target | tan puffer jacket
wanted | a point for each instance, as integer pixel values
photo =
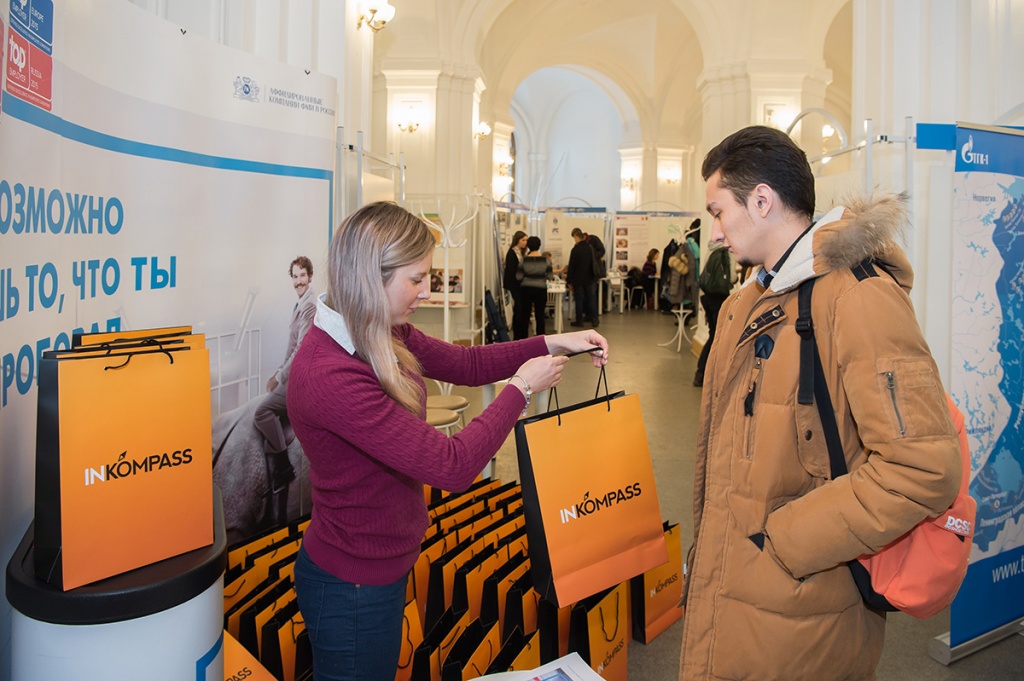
(790, 610)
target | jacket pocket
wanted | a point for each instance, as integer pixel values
(913, 399)
(753, 576)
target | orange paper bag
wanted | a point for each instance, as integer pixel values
(123, 460)
(592, 513)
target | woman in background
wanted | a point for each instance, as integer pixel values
(357, 402)
(534, 272)
(650, 272)
(510, 280)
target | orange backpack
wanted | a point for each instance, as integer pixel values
(921, 572)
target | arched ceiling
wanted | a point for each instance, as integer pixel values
(644, 51)
(652, 52)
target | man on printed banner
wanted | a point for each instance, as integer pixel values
(768, 593)
(273, 406)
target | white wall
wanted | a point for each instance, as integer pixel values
(573, 124)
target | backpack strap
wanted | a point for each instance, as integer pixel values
(813, 387)
(812, 381)
(804, 327)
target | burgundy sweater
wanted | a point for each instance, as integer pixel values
(369, 457)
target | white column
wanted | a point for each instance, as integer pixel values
(672, 166)
(500, 167)
(411, 103)
(632, 175)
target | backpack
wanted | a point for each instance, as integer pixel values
(715, 277)
(600, 271)
(920, 572)
(496, 330)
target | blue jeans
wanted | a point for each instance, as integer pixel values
(355, 630)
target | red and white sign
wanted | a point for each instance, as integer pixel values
(29, 71)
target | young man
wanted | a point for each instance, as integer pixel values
(769, 594)
(273, 406)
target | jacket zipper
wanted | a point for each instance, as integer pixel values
(748, 408)
(890, 383)
(748, 403)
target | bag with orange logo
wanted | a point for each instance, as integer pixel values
(655, 594)
(123, 459)
(518, 653)
(599, 632)
(592, 513)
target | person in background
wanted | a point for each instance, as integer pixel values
(274, 406)
(581, 276)
(557, 271)
(535, 271)
(510, 280)
(713, 292)
(650, 272)
(768, 593)
(357, 402)
(599, 263)
(599, 253)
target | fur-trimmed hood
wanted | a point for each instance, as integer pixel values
(847, 235)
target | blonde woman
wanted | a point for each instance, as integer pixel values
(357, 402)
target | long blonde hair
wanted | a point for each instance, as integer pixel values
(367, 248)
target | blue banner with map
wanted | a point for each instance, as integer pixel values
(988, 369)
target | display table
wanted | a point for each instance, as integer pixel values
(162, 622)
(556, 298)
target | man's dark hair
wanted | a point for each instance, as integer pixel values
(533, 243)
(576, 231)
(759, 154)
(303, 262)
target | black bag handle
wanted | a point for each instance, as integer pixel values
(603, 376)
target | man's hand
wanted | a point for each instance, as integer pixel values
(272, 384)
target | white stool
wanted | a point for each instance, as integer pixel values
(456, 403)
(643, 291)
(442, 419)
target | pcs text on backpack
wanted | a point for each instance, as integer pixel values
(920, 572)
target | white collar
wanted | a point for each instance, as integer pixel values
(333, 324)
(799, 266)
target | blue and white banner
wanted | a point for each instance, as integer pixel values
(988, 375)
(151, 178)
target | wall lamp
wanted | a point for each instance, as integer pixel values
(629, 183)
(375, 14)
(504, 169)
(670, 175)
(481, 130)
(408, 117)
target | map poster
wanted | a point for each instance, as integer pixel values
(988, 371)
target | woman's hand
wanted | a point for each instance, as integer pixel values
(541, 373)
(580, 341)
